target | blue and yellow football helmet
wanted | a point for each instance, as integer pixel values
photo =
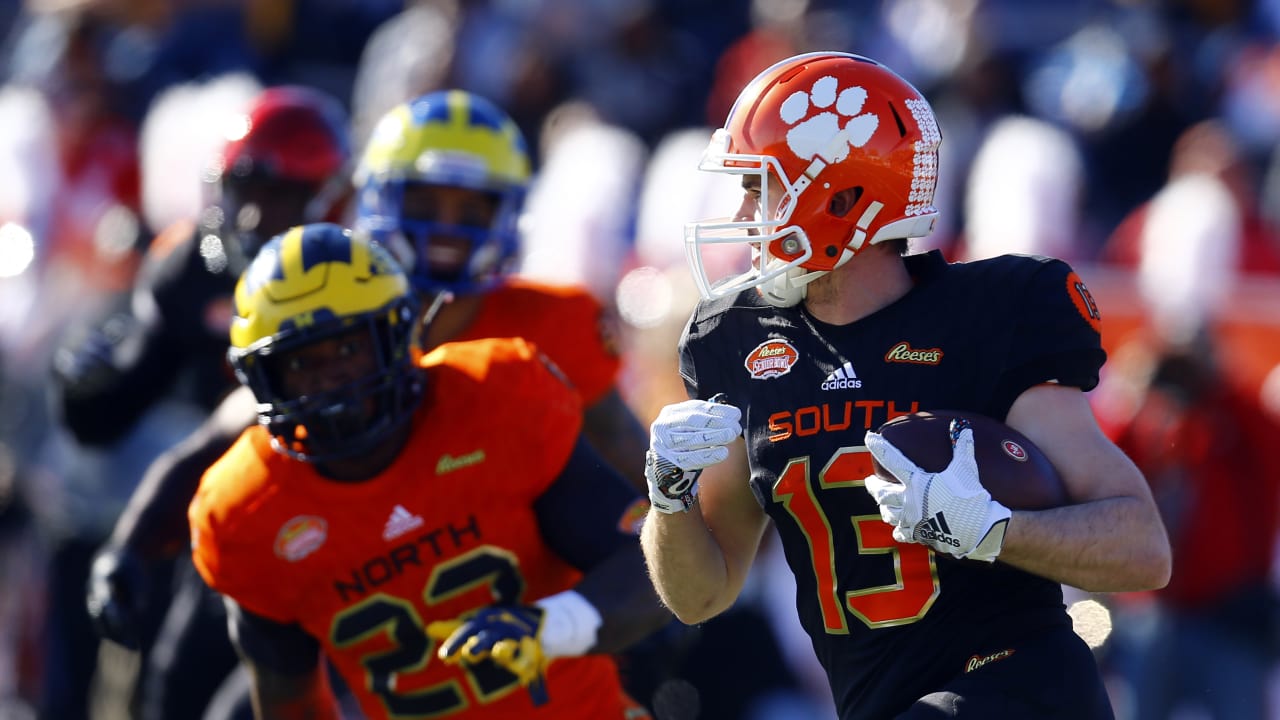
(451, 139)
(313, 284)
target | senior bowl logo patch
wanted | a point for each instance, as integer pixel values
(300, 537)
(771, 359)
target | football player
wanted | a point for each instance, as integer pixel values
(283, 163)
(285, 160)
(442, 182)
(438, 529)
(924, 597)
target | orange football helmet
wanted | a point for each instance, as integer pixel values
(854, 149)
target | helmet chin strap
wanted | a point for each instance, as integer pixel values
(788, 289)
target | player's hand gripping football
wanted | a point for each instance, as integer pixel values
(685, 438)
(508, 635)
(950, 511)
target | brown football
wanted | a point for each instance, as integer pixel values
(1010, 466)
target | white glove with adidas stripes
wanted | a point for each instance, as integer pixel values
(685, 438)
(950, 511)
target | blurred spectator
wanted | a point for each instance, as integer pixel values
(582, 204)
(21, 613)
(70, 237)
(147, 47)
(1119, 83)
(1207, 149)
(638, 70)
(94, 153)
(1208, 639)
(1023, 194)
(532, 78)
(410, 54)
(778, 30)
(1202, 440)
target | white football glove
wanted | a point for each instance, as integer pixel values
(949, 511)
(685, 438)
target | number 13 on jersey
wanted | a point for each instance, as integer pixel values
(901, 602)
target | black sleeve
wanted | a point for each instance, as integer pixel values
(1057, 335)
(285, 649)
(154, 521)
(582, 514)
(688, 365)
(108, 373)
(705, 373)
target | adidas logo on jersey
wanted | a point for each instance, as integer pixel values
(936, 528)
(842, 378)
(400, 522)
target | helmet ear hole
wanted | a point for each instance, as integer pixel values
(844, 201)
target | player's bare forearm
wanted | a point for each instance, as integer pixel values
(1110, 545)
(685, 565)
(699, 560)
(1110, 538)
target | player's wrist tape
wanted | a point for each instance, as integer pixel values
(671, 489)
(570, 624)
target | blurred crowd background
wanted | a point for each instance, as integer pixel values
(1135, 138)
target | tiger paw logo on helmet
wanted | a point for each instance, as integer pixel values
(839, 125)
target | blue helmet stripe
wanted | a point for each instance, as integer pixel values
(331, 246)
(430, 108)
(482, 114)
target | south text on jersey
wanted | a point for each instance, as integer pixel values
(861, 415)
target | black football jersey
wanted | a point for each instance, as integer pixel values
(170, 340)
(891, 622)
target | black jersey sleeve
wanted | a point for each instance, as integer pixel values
(703, 373)
(688, 365)
(582, 512)
(1057, 334)
(108, 372)
(286, 649)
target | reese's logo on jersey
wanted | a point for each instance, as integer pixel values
(904, 353)
(977, 661)
(771, 359)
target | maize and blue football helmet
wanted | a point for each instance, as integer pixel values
(448, 139)
(314, 284)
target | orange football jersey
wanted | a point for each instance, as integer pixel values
(447, 528)
(565, 322)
